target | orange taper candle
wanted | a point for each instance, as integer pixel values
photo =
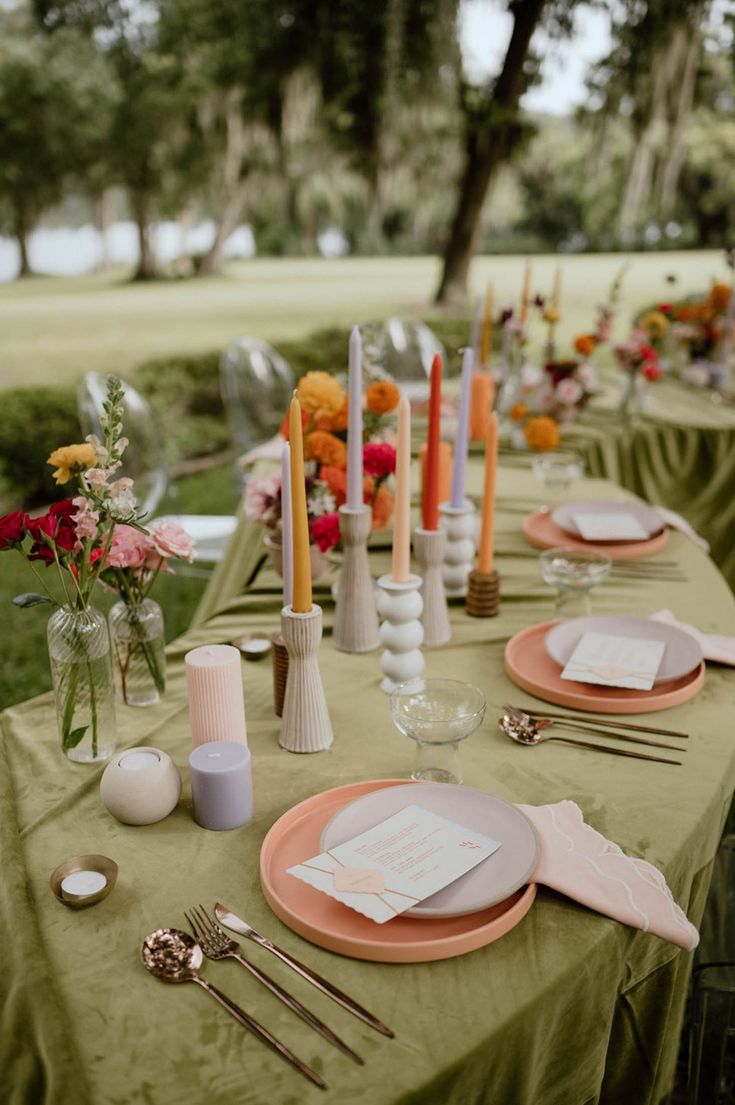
(430, 500)
(482, 395)
(487, 329)
(485, 558)
(402, 511)
(302, 599)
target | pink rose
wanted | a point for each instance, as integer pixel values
(168, 539)
(129, 548)
(325, 531)
(378, 459)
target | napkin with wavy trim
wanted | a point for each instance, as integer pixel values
(715, 646)
(579, 862)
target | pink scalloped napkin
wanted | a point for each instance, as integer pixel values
(579, 862)
(714, 646)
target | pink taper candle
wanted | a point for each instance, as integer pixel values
(402, 511)
(462, 432)
(286, 526)
(485, 558)
(354, 423)
(214, 687)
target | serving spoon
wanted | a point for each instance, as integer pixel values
(539, 723)
(523, 733)
(174, 956)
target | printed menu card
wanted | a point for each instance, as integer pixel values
(396, 864)
(609, 526)
(615, 661)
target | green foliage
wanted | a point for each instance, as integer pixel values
(35, 421)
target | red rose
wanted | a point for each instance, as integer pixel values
(666, 308)
(325, 531)
(56, 526)
(12, 529)
(651, 371)
(647, 353)
(378, 459)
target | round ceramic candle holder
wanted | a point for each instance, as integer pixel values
(140, 786)
(356, 615)
(459, 524)
(401, 633)
(280, 672)
(305, 724)
(429, 547)
(483, 594)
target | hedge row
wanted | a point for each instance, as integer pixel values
(184, 392)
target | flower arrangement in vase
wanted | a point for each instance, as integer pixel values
(639, 360)
(74, 538)
(324, 417)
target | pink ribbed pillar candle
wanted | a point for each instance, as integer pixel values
(214, 686)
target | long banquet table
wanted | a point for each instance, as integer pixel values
(569, 1008)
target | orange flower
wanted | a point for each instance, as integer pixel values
(382, 508)
(336, 481)
(518, 412)
(585, 344)
(320, 392)
(284, 429)
(326, 448)
(382, 396)
(719, 297)
(541, 433)
(336, 422)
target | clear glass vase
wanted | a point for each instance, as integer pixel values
(81, 669)
(138, 645)
(633, 398)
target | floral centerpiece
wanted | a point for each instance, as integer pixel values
(699, 328)
(639, 360)
(324, 415)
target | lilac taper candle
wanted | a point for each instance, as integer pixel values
(460, 440)
(286, 526)
(214, 686)
(354, 423)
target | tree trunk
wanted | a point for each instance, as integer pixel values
(686, 81)
(232, 192)
(490, 141)
(146, 269)
(22, 232)
(640, 177)
(229, 221)
(103, 218)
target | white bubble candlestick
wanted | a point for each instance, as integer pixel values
(459, 525)
(401, 632)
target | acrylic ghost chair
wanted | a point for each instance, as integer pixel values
(403, 351)
(256, 384)
(144, 461)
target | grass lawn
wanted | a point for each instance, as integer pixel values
(56, 328)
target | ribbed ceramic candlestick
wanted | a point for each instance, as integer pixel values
(401, 633)
(483, 594)
(305, 725)
(429, 546)
(356, 615)
(459, 524)
(280, 672)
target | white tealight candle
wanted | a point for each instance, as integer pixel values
(83, 883)
(139, 761)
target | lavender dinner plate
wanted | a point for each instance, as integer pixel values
(681, 655)
(492, 881)
(646, 516)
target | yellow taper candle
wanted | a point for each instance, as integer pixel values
(402, 511)
(300, 519)
(526, 292)
(487, 329)
(556, 290)
(485, 557)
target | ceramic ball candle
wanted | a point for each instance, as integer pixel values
(140, 786)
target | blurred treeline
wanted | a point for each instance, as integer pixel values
(299, 115)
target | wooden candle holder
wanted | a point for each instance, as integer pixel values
(459, 525)
(356, 613)
(305, 725)
(401, 633)
(483, 594)
(280, 672)
(429, 547)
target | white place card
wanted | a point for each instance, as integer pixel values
(609, 527)
(396, 864)
(615, 661)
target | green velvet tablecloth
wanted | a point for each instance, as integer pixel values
(569, 1008)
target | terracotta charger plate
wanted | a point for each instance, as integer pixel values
(329, 924)
(532, 669)
(543, 533)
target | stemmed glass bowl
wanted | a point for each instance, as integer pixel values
(438, 714)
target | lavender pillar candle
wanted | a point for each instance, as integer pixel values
(214, 686)
(461, 437)
(221, 785)
(354, 423)
(286, 526)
